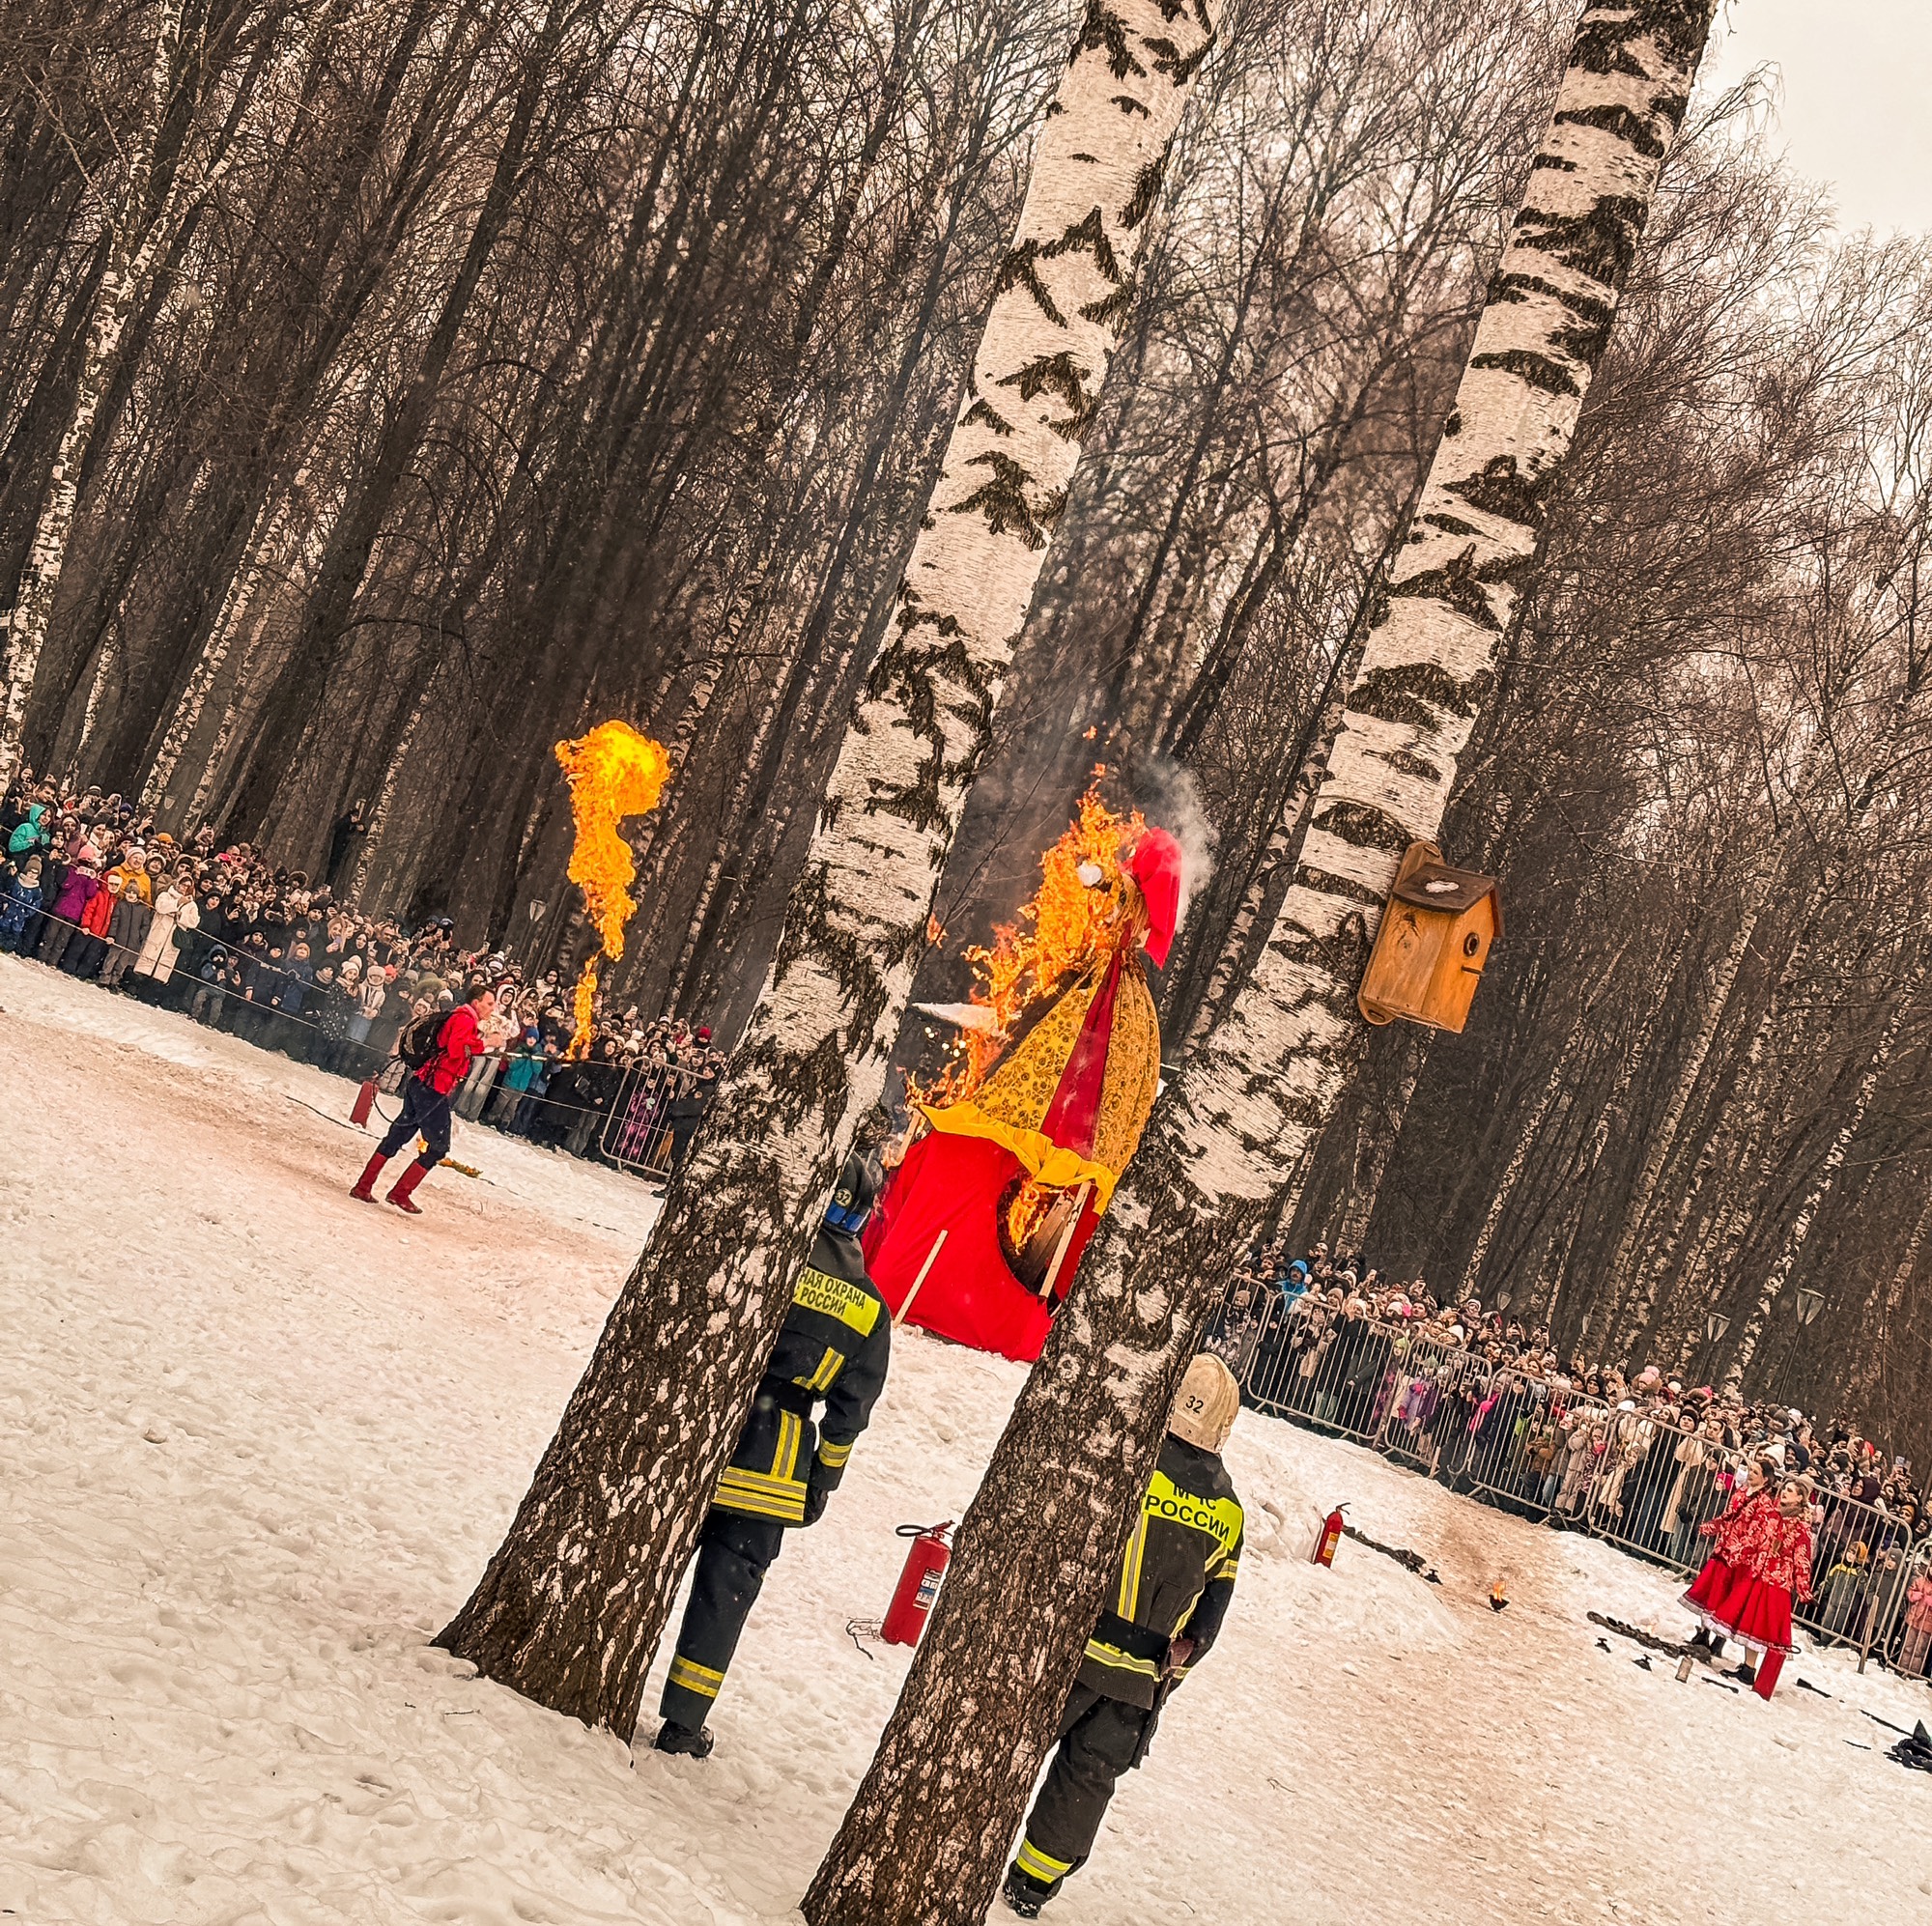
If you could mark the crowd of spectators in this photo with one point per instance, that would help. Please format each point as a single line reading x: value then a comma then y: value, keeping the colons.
x: 1641, y: 1454
x: 90, y: 886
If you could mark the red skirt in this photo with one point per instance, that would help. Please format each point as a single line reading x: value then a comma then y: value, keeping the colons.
x: 1713, y: 1582
x: 1743, y: 1606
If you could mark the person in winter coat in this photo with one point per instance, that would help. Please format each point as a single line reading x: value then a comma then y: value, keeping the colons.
x: 177, y: 916
x: 1714, y: 1584
x: 86, y: 953
x: 127, y: 931
x: 31, y: 836
x: 593, y: 1090
x: 1176, y: 1579
x: 205, y: 1004
x: 520, y: 1072
x: 80, y: 886
x: 20, y: 900
x: 425, y: 1110
x: 1918, y: 1646
x: 836, y: 1345
x: 371, y: 993
x: 330, y: 1005
x: 135, y: 882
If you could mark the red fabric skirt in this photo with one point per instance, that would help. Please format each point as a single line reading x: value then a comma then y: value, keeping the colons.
x: 1712, y: 1583
x: 1743, y: 1606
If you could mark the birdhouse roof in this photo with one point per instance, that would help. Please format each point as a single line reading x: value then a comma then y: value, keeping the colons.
x: 1435, y: 886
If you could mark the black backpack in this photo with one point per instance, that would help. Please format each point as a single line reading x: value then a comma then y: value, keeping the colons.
x: 417, y: 1043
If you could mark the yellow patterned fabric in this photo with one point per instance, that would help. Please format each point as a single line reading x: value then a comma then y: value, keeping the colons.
x: 1012, y: 1103
x: 1133, y: 1071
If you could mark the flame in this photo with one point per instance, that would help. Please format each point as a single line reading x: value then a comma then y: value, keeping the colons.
x: 1055, y: 939
x: 613, y: 772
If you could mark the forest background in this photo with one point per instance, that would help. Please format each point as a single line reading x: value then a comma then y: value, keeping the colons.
x: 387, y: 391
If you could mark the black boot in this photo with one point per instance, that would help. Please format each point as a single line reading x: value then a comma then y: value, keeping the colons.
x: 1023, y: 1895
x: 1700, y: 1639
x: 1717, y: 1647
x: 1746, y: 1675
x: 682, y: 1741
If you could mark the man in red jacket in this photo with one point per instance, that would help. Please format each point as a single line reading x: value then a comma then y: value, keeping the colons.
x: 426, y: 1100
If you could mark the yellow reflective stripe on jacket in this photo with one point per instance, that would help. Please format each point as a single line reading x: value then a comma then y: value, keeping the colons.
x: 833, y: 1457
x: 814, y: 1290
x: 791, y: 1436
x: 1039, y: 1865
x: 695, y: 1678
x: 1130, y: 1571
x: 1219, y: 1517
x: 762, y: 1497
x: 821, y: 1377
x: 1103, y: 1654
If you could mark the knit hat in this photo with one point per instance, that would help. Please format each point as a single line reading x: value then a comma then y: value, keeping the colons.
x: 1204, y: 1411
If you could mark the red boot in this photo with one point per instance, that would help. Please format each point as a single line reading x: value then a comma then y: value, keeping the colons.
x: 364, y: 1189
x: 405, y: 1184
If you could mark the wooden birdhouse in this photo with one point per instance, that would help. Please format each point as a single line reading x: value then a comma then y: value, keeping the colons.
x: 1435, y: 939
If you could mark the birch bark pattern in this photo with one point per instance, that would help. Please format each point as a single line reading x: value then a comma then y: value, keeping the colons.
x: 128, y: 263
x: 944, y: 1795
x: 572, y: 1606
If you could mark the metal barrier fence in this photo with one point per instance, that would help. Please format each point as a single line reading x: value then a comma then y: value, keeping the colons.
x: 1554, y: 1455
x: 639, y: 1131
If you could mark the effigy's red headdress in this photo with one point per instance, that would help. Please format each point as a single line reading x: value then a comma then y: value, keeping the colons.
x: 1155, y: 866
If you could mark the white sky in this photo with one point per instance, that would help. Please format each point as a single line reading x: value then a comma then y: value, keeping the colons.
x: 1854, y: 107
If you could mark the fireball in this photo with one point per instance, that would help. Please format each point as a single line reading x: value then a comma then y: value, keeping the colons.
x: 613, y: 772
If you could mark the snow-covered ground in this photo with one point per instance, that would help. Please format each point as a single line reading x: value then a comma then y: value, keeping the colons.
x: 256, y: 1441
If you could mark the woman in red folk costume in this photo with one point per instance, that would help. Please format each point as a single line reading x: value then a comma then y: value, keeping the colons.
x: 1715, y: 1580
x: 1768, y: 1557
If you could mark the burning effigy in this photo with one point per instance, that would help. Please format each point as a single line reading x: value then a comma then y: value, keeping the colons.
x: 613, y: 772
x: 1019, y: 1142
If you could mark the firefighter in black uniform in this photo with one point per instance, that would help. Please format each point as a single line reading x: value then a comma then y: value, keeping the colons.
x: 835, y: 1346
x: 1176, y: 1579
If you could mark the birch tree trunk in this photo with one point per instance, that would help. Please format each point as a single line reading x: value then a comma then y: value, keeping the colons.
x: 1801, y: 1224
x: 1663, y: 1140
x: 236, y: 600
x: 571, y: 1608
x: 131, y: 254
x: 1531, y: 1127
x: 924, y: 1838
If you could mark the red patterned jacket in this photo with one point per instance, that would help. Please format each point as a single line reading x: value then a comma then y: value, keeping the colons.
x: 1724, y: 1528
x: 1774, y: 1549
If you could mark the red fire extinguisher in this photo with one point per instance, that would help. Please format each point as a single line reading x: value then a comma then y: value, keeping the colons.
x: 1327, y: 1538
x: 919, y: 1583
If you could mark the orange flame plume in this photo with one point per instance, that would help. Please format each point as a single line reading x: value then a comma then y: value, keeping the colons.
x: 1053, y: 941
x: 613, y: 772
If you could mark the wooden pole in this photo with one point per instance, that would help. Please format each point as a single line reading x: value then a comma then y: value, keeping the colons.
x: 932, y: 1259
x: 1066, y: 1239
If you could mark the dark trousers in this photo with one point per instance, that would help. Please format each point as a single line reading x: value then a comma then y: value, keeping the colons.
x: 734, y: 1553
x: 425, y: 1114
x: 1100, y: 1740
x: 85, y: 954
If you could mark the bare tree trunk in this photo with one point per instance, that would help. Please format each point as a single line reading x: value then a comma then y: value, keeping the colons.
x: 1532, y: 1125
x: 1800, y: 1227
x: 574, y: 1602
x: 131, y: 254
x: 924, y: 1838
x: 1663, y: 1139
x: 239, y: 594
x: 1382, y: 1131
